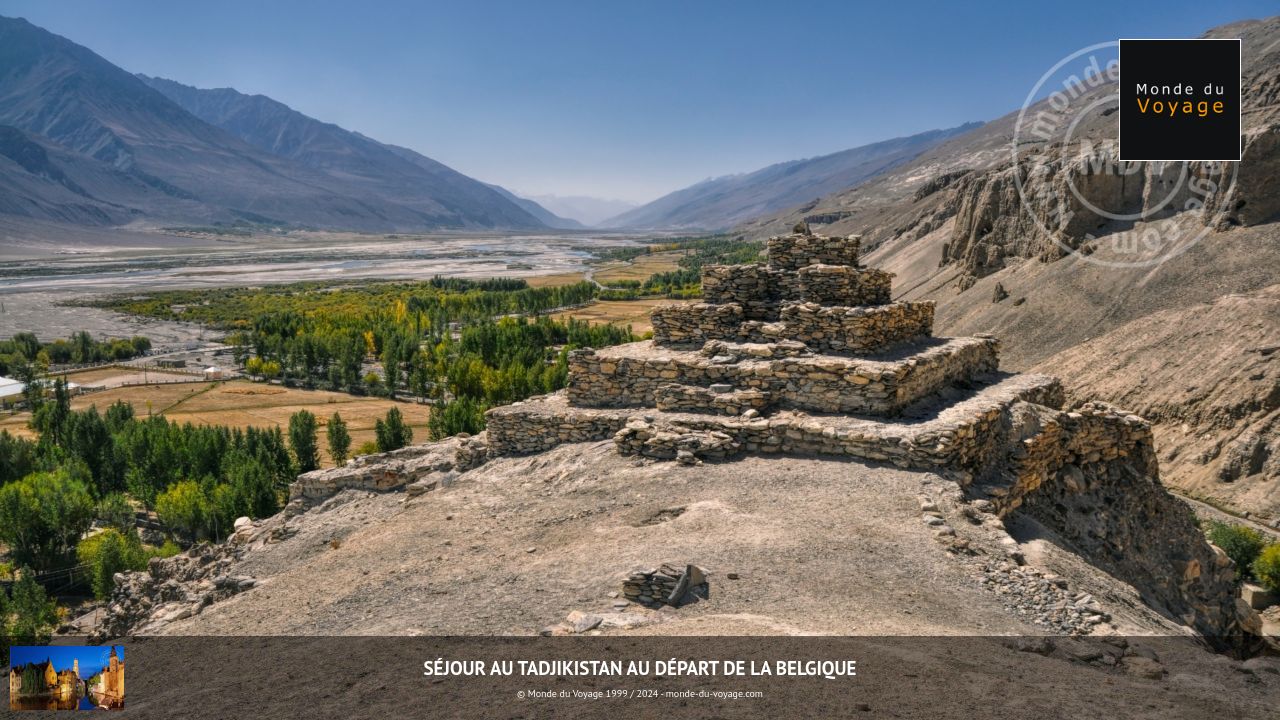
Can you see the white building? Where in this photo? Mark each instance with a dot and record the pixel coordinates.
(10, 391)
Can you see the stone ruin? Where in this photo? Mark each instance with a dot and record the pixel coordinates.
(806, 354)
(809, 355)
(666, 584)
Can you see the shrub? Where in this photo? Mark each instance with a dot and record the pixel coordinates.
(168, 549)
(114, 510)
(368, 447)
(1241, 544)
(34, 614)
(463, 414)
(1266, 568)
(108, 553)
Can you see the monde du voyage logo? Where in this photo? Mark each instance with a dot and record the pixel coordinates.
(1180, 100)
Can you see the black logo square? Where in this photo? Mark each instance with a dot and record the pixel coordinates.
(1180, 100)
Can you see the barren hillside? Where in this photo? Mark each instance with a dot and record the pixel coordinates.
(1207, 374)
(814, 547)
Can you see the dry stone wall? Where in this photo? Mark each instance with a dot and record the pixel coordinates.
(720, 400)
(964, 438)
(798, 250)
(541, 423)
(844, 285)
(695, 323)
(1091, 475)
(759, 289)
(843, 330)
(610, 378)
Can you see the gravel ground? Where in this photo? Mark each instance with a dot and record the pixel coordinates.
(818, 547)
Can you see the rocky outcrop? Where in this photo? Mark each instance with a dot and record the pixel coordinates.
(1091, 476)
(1254, 199)
(383, 472)
(178, 587)
(1062, 201)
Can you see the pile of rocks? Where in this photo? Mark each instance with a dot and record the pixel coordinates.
(1042, 598)
(173, 588)
(666, 585)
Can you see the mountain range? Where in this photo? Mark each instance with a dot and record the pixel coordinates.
(723, 202)
(84, 142)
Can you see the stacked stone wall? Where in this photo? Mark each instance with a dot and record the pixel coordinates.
(674, 397)
(847, 330)
(963, 440)
(819, 384)
(844, 285)
(760, 290)
(792, 252)
(1091, 476)
(532, 426)
(695, 323)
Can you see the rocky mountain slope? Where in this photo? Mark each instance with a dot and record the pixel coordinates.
(726, 201)
(128, 152)
(952, 226)
(1208, 375)
(372, 168)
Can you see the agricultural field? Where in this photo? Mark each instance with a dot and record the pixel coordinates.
(241, 404)
(639, 268)
(618, 312)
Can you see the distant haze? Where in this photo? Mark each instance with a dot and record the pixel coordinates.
(586, 210)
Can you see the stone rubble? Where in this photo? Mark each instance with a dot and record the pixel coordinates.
(666, 585)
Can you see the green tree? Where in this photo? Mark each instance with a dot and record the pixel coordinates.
(184, 509)
(43, 515)
(114, 510)
(464, 414)
(339, 439)
(302, 440)
(392, 433)
(17, 457)
(35, 615)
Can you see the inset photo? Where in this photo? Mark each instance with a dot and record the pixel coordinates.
(66, 677)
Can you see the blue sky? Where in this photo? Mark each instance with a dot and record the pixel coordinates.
(619, 99)
(92, 658)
